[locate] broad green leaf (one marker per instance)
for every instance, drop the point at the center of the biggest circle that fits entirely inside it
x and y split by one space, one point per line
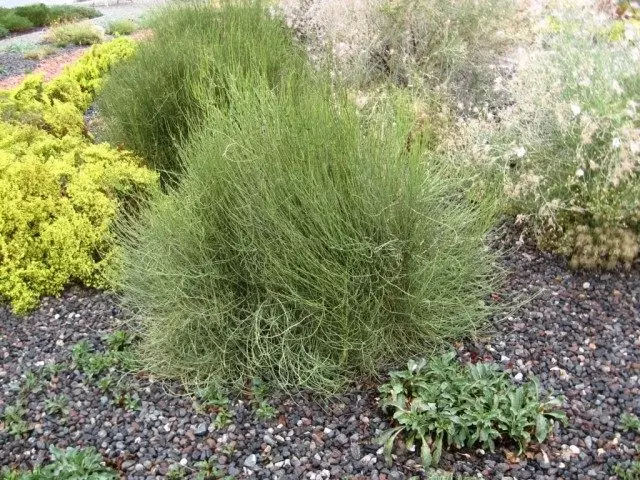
542 428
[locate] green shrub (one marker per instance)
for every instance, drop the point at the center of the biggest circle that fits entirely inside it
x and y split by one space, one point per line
37 14
60 193
70 13
441 405
303 245
73 34
121 27
3 31
59 197
15 23
41 15
151 103
569 149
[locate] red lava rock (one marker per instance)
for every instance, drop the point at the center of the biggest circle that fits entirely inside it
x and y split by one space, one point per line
50 68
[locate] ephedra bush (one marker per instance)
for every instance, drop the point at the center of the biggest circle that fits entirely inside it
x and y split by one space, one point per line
151 103
303 244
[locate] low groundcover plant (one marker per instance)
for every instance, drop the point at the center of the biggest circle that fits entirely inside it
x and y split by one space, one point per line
441 404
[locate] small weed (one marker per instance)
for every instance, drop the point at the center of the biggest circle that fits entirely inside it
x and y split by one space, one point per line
69 464
228 449
13 418
52 370
262 409
73 34
56 405
119 340
106 383
91 364
630 422
442 404
31 384
176 472
212 397
207 470
126 400
223 418
215 399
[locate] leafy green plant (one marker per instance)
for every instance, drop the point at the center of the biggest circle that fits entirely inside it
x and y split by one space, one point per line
13 417
74 34
4 31
441 404
154 101
51 370
106 383
91 363
628 471
176 472
119 340
207 470
69 464
121 27
214 398
57 405
60 193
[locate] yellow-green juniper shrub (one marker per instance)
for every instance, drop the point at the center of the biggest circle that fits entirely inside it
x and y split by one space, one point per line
58 106
59 192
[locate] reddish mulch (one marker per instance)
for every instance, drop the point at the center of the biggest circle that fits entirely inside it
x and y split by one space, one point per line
50 67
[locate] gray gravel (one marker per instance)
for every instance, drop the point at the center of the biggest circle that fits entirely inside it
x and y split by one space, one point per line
580 335
14 63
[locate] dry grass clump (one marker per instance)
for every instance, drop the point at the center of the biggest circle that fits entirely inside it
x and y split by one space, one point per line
74 34
449 45
568 151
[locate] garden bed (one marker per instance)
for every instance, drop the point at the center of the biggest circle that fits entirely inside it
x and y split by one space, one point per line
578 333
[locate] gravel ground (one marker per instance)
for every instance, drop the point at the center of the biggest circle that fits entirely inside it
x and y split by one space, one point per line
14 63
579 334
